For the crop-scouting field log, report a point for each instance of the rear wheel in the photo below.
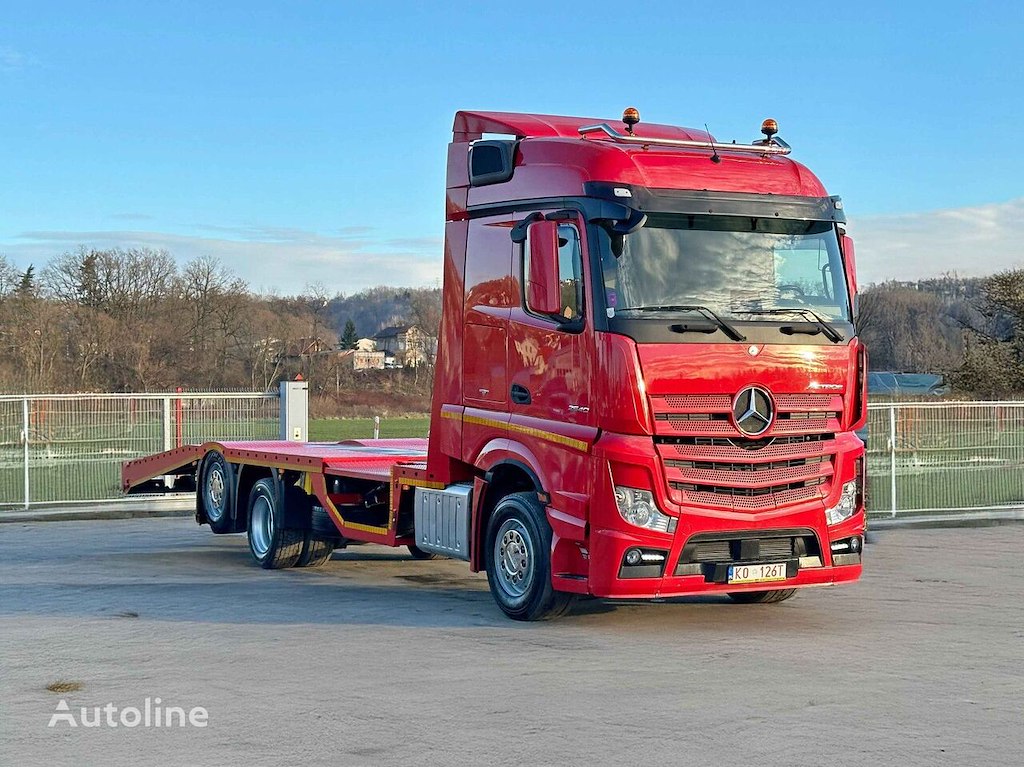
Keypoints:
(316, 551)
(761, 597)
(417, 553)
(272, 546)
(519, 560)
(216, 487)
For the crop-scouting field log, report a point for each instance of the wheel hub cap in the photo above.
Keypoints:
(215, 493)
(515, 558)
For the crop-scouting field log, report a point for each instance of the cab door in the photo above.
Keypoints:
(488, 300)
(549, 365)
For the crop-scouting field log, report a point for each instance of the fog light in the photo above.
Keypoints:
(643, 563)
(846, 551)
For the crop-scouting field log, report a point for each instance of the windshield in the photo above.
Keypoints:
(738, 267)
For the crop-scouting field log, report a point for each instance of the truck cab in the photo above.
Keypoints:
(647, 339)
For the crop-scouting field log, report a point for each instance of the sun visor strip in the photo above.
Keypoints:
(690, 202)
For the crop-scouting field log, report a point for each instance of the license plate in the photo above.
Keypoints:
(757, 573)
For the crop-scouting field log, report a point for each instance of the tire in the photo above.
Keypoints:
(761, 597)
(518, 560)
(316, 551)
(417, 553)
(273, 546)
(217, 489)
(316, 548)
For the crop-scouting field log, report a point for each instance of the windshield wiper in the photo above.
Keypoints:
(728, 329)
(817, 321)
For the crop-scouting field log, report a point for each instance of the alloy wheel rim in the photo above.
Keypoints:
(261, 526)
(513, 551)
(215, 494)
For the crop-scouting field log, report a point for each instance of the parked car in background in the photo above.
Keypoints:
(888, 384)
(884, 383)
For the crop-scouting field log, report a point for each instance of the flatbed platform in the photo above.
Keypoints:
(392, 463)
(363, 459)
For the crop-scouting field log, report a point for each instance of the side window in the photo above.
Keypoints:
(570, 272)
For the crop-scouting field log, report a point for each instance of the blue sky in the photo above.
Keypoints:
(304, 142)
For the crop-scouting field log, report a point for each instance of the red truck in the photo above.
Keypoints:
(647, 382)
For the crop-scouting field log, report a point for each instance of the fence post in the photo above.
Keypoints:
(24, 438)
(167, 424)
(295, 411)
(892, 458)
(178, 426)
(376, 427)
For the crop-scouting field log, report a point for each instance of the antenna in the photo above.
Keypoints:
(711, 143)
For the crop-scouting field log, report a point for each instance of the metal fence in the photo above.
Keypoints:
(922, 457)
(944, 457)
(69, 448)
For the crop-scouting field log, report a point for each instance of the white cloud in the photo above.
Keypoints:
(973, 242)
(270, 259)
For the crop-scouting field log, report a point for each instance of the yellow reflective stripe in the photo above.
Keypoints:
(561, 439)
(428, 483)
(550, 436)
(333, 511)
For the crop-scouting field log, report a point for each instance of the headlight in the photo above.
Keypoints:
(847, 504)
(637, 507)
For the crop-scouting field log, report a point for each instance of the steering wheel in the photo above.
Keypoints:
(796, 290)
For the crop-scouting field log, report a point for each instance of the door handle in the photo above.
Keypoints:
(520, 394)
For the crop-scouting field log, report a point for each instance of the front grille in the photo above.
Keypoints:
(712, 402)
(711, 414)
(772, 500)
(721, 423)
(697, 474)
(708, 462)
(753, 546)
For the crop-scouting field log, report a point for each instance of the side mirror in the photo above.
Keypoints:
(850, 261)
(543, 295)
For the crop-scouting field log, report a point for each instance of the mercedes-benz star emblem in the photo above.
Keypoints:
(753, 411)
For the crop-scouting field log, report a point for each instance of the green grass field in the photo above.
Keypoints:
(337, 429)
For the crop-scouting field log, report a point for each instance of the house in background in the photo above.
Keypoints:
(367, 360)
(407, 344)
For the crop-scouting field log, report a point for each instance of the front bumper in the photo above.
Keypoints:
(795, 534)
(608, 578)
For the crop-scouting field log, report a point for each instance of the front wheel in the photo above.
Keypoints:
(272, 546)
(519, 560)
(761, 597)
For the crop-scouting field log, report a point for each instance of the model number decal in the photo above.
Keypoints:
(828, 386)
